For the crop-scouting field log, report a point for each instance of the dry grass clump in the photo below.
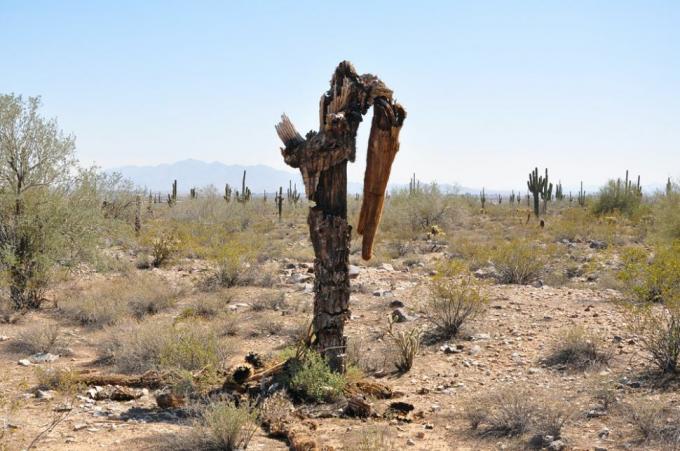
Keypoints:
(108, 302)
(577, 349)
(654, 422)
(39, 338)
(517, 261)
(51, 378)
(269, 301)
(139, 347)
(222, 426)
(455, 298)
(517, 412)
(372, 438)
(207, 306)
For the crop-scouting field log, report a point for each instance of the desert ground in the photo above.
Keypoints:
(549, 358)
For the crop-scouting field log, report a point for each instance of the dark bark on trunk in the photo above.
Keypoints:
(322, 159)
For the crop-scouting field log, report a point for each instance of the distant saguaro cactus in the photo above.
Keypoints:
(244, 195)
(482, 198)
(582, 196)
(227, 193)
(537, 185)
(138, 214)
(669, 187)
(279, 201)
(192, 193)
(559, 194)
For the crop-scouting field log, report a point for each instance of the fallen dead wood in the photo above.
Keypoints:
(150, 379)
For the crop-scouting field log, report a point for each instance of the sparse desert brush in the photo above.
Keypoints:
(518, 261)
(616, 198)
(308, 377)
(667, 214)
(408, 214)
(515, 412)
(455, 297)
(229, 427)
(53, 378)
(372, 438)
(654, 311)
(654, 422)
(38, 338)
(108, 302)
(138, 347)
(207, 306)
(576, 349)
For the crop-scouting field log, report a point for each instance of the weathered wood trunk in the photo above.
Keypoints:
(322, 159)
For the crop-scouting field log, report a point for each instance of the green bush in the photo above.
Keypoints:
(309, 377)
(613, 197)
(649, 277)
(455, 297)
(517, 261)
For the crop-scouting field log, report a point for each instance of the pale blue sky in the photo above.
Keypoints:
(492, 88)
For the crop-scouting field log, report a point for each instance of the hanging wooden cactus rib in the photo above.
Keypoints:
(322, 159)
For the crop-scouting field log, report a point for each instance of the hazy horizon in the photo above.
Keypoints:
(491, 90)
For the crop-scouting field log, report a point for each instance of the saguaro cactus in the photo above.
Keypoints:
(227, 193)
(559, 194)
(322, 159)
(244, 195)
(192, 193)
(546, 194)
(582, 196)
(413, 185)
(279, 201)
(669, 187)
(536, 186)
(138, 214)
(482, 198)
(174, 191)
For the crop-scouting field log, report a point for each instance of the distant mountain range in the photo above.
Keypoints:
(198, 174)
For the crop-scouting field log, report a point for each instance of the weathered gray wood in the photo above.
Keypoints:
(322, 159)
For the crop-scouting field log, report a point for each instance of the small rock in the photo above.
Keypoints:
(24, 362)
(557, 445)
(43, 357)
(4, 338)
(79, 426)
(386, 267)
(604, 433)
(396, 304)
(537, 284)
(400, 316)
(599, 448)
(44, 394)
(353, 271)
(451, 349)
(596, 244)
(476, 349)
(481, 337)
(429, 426)
(410, 442)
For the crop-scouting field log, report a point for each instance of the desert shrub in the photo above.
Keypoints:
(455, 297)
(108, 302)
(372, 438)
(40, 338)
(411, 213)
(578, 350)
(61, 379)
(517, 261)
(230, 427)
(613, 197)
(206, 307)
(49, 211)
(308, 377)
(504, 413)
(163, 247)
(647, 277)
(275, 413)
(514, 412)
(604, 393)
(139, 347)
(407, 344)
(269, 301)
(654, 310)
(667, 214)
(654, 421)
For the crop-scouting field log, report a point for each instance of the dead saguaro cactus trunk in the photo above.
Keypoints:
(322, 158)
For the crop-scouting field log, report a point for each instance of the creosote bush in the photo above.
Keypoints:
(614, 198)
(455, 297)
(655, 422)
(517, 261)
(654, 308)
(39, 338)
